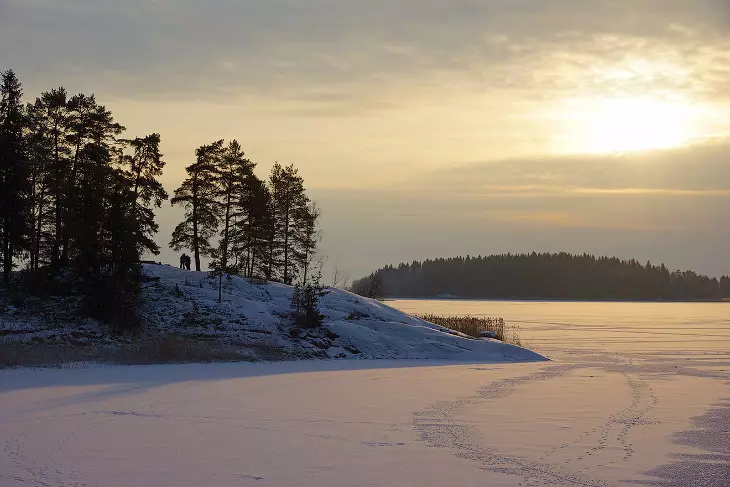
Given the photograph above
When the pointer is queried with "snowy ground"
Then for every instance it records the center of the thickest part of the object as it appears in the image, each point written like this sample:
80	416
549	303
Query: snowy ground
362	423
253	318
356	327
601	413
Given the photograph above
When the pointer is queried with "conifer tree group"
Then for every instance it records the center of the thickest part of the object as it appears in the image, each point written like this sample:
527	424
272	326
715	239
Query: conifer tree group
553	276
264	229
75	196
78	199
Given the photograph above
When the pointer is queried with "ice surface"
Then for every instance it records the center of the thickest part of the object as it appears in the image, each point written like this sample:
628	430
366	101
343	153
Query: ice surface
613	408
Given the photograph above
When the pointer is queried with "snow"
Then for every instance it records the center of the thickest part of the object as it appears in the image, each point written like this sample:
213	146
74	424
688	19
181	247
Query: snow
627	408
253	321
256	314
356	423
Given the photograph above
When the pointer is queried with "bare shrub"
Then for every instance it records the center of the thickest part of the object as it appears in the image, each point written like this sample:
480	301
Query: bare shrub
168	349
164	349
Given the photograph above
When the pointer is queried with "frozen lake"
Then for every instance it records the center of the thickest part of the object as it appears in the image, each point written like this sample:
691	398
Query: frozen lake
636	394
677	330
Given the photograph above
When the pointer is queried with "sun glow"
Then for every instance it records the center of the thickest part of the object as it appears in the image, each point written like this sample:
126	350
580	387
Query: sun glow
627	124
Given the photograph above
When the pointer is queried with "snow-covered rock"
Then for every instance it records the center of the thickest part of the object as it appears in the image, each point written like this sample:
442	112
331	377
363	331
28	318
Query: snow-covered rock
487	334
256	315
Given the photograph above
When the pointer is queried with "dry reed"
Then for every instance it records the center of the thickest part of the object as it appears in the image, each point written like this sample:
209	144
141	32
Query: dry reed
473	326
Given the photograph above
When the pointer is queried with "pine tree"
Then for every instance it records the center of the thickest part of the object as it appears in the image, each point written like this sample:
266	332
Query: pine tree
73	194
233	174
93	135
197	195
253	228
49	152
306	237
40	153
14	182
142	168
288	201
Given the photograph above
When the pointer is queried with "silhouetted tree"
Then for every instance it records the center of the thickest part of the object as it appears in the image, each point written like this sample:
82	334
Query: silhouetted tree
288	204
197	195
75	197
253	228
306	237
233	174
14	182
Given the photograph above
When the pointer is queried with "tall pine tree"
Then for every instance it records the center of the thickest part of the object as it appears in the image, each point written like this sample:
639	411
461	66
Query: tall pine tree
306	237
197	195
234	172
288	204
14	182
253	227
141	169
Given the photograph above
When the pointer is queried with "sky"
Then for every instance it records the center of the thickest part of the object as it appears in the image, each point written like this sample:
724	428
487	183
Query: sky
426	128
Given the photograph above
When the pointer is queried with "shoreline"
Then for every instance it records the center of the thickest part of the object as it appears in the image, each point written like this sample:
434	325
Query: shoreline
554	300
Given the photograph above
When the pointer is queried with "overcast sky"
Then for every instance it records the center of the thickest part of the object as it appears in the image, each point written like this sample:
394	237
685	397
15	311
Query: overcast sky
427	128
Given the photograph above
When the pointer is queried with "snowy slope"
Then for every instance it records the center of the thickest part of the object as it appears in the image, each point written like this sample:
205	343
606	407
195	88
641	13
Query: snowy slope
251	314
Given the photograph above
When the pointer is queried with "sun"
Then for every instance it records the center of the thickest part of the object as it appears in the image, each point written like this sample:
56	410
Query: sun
627	124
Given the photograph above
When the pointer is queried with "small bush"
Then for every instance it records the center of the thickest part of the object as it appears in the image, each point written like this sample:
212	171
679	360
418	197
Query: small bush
473	326
356	315
305	304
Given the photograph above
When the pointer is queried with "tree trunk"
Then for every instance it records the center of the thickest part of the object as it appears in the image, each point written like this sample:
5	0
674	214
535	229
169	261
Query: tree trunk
58	184
223	264
196	245
7	256
286	245
37	230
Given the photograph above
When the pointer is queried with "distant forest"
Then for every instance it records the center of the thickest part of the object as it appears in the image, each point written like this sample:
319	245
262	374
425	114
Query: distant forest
552	276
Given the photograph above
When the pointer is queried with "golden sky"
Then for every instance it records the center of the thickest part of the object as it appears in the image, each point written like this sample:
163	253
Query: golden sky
427	128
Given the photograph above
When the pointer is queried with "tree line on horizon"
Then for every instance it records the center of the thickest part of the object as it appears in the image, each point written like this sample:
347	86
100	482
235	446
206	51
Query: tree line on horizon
544	275
78	199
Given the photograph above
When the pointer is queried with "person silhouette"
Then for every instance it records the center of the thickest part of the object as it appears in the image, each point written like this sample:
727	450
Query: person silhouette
187	262
183	259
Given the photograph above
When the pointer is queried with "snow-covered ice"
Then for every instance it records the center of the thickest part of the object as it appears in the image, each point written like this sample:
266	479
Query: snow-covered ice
611	409
352	423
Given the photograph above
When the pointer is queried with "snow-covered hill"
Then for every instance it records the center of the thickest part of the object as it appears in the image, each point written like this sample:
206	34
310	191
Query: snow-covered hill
256	315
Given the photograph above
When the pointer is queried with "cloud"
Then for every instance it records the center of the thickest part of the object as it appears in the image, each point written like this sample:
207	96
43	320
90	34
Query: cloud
668	206
461	80
697	170
353	53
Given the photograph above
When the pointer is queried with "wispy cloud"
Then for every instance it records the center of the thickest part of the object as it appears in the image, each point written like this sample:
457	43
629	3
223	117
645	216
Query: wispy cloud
379	50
